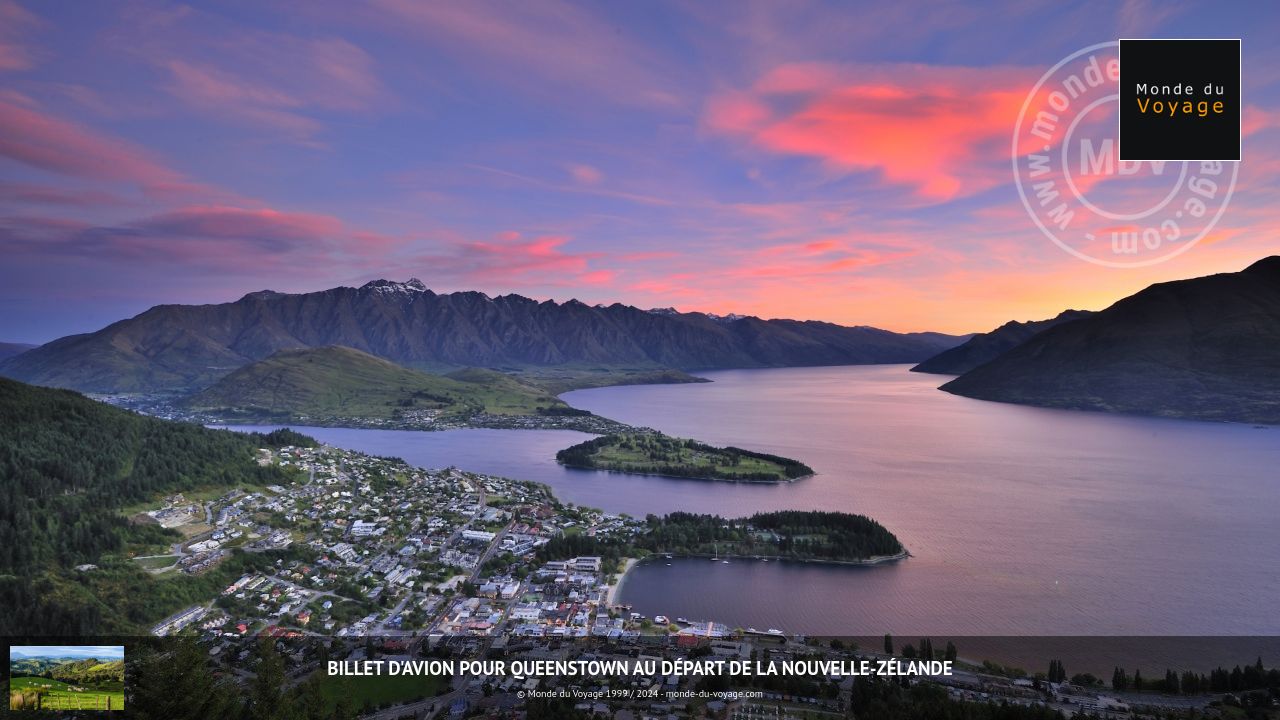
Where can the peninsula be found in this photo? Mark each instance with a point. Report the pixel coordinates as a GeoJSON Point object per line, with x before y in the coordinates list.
{"type": "Point", "coordinates": [651, 453]}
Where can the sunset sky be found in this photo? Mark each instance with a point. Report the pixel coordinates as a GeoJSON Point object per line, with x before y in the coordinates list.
{"type": "Point", "coordinates": [783, 159]}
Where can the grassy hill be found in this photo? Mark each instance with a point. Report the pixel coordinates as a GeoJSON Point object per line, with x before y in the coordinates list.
{"type": "Point", "coordinates": [58, 695]}
{"type": "Point", "coordinates": [656, 454]}
{"type": "Point", "coordinates": [341, 382]}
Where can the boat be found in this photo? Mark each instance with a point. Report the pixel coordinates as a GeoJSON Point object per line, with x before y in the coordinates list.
{"type": "Point", "coordinates": [726, 562]}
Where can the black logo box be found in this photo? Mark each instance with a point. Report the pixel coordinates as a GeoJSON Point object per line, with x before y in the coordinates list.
{"type": "Point", "coordinates": [1180, 64]}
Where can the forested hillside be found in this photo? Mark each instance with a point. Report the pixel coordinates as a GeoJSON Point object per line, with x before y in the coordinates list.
{"type": "Point", "coordinates": [68, 464]}
{"type": "Point", "coordinates": [792, 534]}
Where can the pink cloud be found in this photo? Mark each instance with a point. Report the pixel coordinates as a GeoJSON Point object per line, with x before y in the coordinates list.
{"type": "Point", "coordinates": [33, 194]}
{"type": "Point", "coordinates": [16, 24]}
{"type": "Point", "coordinates": [513, 262]}
{"type": "Point", "coordinates": [941, 131]}
{"type": "Point", "coordinates": [821, 257]}
{"type": "Point", "coordinates": [598, 277]}
{"type": "Point", "coordinates": [735, 112]}
{"type": "Point", "coordinates": [233, 222]}
{"type": "Point", "coordinates": [44, 142]}
{"type": "Point", "coordinates": [1256, 119]}
{"type": "Point", "coordinates": [650, 255]}
{"type": "Point", "coordinates": [585, 174]}
{"type": "Point", "coordinates": [275, 81]}
{"type": "Point", "coordinates": [231, 239]}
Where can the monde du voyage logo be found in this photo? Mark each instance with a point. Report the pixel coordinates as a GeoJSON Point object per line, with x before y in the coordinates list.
{"type": "Point", "coordinates": [1125, 153]}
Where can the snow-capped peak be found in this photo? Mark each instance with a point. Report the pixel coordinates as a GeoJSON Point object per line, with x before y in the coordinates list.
{"type": "Point", "coordinates": [391, 286]}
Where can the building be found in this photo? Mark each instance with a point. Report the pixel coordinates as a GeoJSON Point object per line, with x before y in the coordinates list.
{"type": "Point", "coordinates": [175, 623]}
{"type": "Point", "coordinates": [361, 529]}
{"type": "Point", "coordinates": [478, 536]}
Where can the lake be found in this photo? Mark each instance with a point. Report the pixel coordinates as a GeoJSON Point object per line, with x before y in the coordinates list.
{"type": "Point", "coordinates": [1021, 521]}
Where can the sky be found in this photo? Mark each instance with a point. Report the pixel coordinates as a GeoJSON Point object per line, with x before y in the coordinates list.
{"type": "Point", "coordinates": [836, 161]}
{"type": "Point", "coordinates": [101, 652]}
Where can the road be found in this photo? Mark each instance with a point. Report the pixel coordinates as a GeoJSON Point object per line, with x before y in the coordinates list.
{"type": "Point", "coordinates": [488, 552]}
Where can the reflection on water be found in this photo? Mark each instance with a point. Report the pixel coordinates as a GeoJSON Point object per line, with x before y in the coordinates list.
{"type": "Point", "coordinates": [1021, 520]}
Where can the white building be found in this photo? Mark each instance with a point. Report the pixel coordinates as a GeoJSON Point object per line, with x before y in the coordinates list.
{"type": "Point", "coordinates": [478, 536]}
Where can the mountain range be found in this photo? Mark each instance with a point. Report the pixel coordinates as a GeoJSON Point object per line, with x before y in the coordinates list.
{"type": "Point", "coordinates": [188, 347]}
{"type": "Point", "coordinates": [8, 350]}
{"type": "Point", "coordinates": [1206, 348]}
{"type": "Point", "coordinates": [985, 347]}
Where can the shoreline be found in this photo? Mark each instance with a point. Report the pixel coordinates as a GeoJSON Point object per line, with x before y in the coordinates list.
{"type": "Point", "coordinates": [612, 591]}
{"type": "Point", "coordinates": [780, 481]}
{"type": "Point", "coordinates": [862, 562]}
{"type": "Point", "coordinates": [582, 424]}
{"type": "Point", "coordinates": [631, 563]}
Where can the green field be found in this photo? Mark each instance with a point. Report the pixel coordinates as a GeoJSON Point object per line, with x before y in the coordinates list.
{"type": "Point", "coordinates": [340, 382]}
{"type": "Point", "coordinates": [56, 695]}
{"type": "Point", "coordinates": [563, 378]}
{"type": "Point", "coordinates": [157, 562]}
{"type": "Point", "coordinates": [656, 454]}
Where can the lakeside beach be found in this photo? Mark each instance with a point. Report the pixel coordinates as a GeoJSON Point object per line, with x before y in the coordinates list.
{"type": "Point", "coordinates": [613, 587]}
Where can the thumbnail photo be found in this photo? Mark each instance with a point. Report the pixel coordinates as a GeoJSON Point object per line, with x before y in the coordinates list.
{"type": "Point", "coordinates": [66, 677]}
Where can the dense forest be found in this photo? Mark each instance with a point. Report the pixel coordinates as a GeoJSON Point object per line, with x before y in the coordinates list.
{"type": "Point", "coordinates": [68, 465]}
{"type": "Point", "coordinates": [657, 454]}
{"type": "Point", "coordinates": [792, 534]}
{"type": "Point", "coordinates": [802, 535]}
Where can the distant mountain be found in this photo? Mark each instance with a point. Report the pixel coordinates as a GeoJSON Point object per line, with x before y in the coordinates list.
{"type": "Point", "coordinates": [76, 671]}
{"type": "Point", "coordinates": [171, 347]}
{"type": "Point", "coordinates": [986, 347]}
{"type": "Point", "coordinates": [336, 381]}
{"type": "Point", "coordinates": [16, 655]}
{"type": "Point", "coordinates": [8, 350]}
{"type": "Point", "coordinates": [1205, 348]}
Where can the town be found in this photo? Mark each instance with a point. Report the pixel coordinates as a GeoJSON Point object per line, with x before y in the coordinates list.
{"type": "Point", "coordinates": [367, 557]}
{"type": "Point", "coordinates": [373, 546]}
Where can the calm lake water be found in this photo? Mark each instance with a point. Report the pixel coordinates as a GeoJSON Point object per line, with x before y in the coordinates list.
{"type": "Point", "coordinates": [1021, 521]}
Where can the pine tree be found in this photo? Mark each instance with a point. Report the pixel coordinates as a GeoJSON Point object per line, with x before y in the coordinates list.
{"type": "Point", "coordinates": [1119, 679]}
{"type": "Point", "coordinates": [173, 682]}
{"type": "Point", "coordinates": [266, 701]}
